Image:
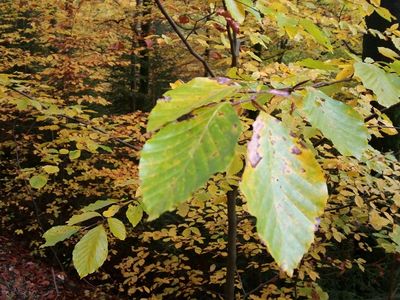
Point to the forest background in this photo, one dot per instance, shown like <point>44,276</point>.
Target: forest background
<point>77,82</point>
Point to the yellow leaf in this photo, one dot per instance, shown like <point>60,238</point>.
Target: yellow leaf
<point>388,53</point>
<point>64,151</point>
<point>346,72</point>
<point>212,267</point>
<point>111,211</point>
<point>49,169</point>
<point>195,230</point>
<point>376,221</point>
<point>396,199</point>
<point>176,84</point>
<point>183,209</point>
<point>187,233</point>
<point>359,201</point>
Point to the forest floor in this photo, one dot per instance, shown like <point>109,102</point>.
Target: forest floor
<point>24,277</point>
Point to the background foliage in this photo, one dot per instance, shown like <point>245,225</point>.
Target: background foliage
<point>77,80</point>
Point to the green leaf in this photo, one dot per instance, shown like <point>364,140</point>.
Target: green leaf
<point>105,148</point>
<point>117,228</point>
<point>38,181</point>
<point>74,154</point>
<point>316,64</point>
<point>57,234</point>
<point>236,9</point>
<point>134,214</point>
<point>285,190</point>
<point>91,251</point>
<point>385,86</point>
<point>82,217</point>
<point>186,97</point>
<point>181,157</point>
<point>338,122</point>
<point>316,33</point>
<point>99,204</point>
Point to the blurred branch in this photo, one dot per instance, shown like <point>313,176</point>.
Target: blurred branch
<point>183,39</point>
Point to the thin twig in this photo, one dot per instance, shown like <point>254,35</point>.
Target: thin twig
<point>261,285</point>
<point>241,282</point>
<point>55,282</point>
<point>182,37</point>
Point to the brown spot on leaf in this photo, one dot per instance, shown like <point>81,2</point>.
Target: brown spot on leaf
<point>302,144</point>
<point>296,150</point>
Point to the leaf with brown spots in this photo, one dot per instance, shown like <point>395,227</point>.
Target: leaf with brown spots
<point>285,189</point>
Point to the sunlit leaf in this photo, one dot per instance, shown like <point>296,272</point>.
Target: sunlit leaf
<point>285,190</point>
<point>75,219</point>
<point>316,33</point>
<point>134,214</point>
<point>58,233</point>
<point>51,169</point>
<point>316,64</point>
<point>111,211</point>
<point>91,251</point>
<point>99,204</point>
<point>38,181</point>
<point>74,154</point>
<point>117,228</point>
<point>376,221</point>
<point>182,156</point>
<point>386,86</point>
<point>186,97</point>
<point>337,121</point>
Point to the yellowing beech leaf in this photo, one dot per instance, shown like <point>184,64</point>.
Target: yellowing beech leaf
<point>38,181</point>
<point>111,211</point>
<point>236,9</point>
<point>58,233</point>
<point>117,228</point>
<point>319,36</point>
<point>49,169</point>
<point>74,154</point>
<point>186,97</point>
<point>91,251</point>
<point>285,190</point>
<point>181,157</point>
<point>75,219</point>
<point>99,204</point>
<point>386,86</point>
<point>337,121</point>
<point>388,53</point>
<point>134,214</point>
<point>377,221</point>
